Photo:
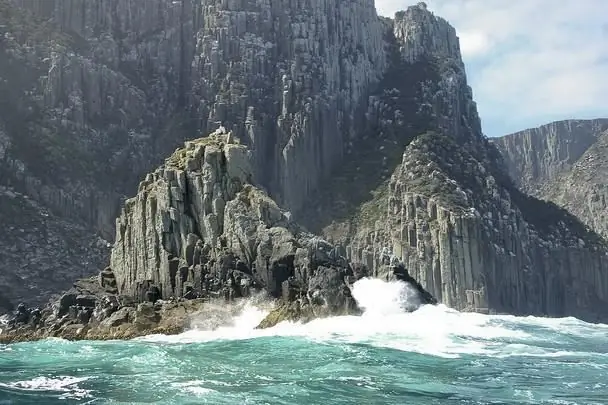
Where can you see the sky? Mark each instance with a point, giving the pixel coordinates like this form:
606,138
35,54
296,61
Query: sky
529,62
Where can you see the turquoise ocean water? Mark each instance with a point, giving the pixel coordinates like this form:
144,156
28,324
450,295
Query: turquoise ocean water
432,356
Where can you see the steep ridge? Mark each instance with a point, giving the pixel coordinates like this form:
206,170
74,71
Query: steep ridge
450,211
584,189
563,162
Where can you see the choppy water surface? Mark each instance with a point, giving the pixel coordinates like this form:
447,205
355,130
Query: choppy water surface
432,356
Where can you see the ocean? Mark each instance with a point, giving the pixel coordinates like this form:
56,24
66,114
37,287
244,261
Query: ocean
434,355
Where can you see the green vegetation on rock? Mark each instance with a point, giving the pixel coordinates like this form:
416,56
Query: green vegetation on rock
357,192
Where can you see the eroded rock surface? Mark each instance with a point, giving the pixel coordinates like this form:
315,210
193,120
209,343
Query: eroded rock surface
198,230
41,253
565,162
107,89
447,207
95,94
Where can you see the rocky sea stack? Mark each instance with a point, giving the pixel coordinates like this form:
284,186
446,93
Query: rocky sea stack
199,231
342,145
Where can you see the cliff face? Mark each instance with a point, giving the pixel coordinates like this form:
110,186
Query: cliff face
125,82
94,94
41,253
477,243
450,210
325,95
563,162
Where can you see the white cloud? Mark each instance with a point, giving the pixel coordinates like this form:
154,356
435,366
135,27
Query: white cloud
474,43
529,61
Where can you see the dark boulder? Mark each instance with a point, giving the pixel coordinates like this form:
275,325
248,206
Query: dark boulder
21,315
84,315
401,273
65,302
327,288
107,281
360,271
86,301
35,317
153,294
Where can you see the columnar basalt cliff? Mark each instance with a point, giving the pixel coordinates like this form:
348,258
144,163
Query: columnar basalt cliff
199,230
94,94
40,252
450,211
374,113
564,162
127,81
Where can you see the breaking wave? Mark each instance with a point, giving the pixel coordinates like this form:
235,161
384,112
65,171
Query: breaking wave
432,330
387,355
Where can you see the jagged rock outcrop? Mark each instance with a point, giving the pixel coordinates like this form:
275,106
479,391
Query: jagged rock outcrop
198,227
450,211
199,230
564,162
198,219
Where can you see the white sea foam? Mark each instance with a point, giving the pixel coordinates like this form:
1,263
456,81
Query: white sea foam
434,330
193,387
66,385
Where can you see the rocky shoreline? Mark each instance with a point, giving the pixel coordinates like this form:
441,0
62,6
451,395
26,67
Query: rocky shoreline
89,312
380,152
198,231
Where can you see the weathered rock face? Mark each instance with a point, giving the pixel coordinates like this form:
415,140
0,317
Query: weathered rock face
41,253
450,211
289,79
65,119
197,231
105,88
94,94
127,81
477,243
537,156
564,162
198,228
